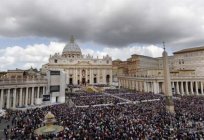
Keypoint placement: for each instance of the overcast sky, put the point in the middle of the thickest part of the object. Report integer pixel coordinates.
(31, 30)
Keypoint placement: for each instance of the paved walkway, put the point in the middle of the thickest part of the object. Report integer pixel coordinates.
(126, 100)
(3, 125)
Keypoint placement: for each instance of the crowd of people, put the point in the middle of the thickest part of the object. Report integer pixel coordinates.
(145, 120)
(94, 100)
(138, 96)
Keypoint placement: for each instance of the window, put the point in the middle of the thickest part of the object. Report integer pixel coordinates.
(55, 60)
(55, 88)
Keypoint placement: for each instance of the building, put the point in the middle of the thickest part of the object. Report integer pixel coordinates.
(19, 92)
(21, 74)
(191, 59)
(186, 70)
(80, 69)
(71, 67)
(22, 88)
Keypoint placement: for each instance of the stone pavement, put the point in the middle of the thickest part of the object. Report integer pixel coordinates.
(3, 125)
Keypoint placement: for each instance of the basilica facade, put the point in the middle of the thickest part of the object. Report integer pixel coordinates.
(80, 69)
(71, 67)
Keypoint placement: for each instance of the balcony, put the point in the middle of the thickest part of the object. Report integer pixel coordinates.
(21, 81)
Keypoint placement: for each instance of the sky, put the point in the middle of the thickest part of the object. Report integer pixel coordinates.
(31, 30)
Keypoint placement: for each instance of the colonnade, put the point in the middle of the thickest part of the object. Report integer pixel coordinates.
(140, 85)
(21, 96)
(182, 87)
(188, 87)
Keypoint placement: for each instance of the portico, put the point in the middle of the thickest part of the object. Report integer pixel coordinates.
(180, 85)
(22, 95)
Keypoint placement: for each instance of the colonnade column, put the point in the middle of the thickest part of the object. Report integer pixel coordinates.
(182, 90)
(8, 99)
(43, 91)
(201, 86)
(192, 88)
(14, 98)
(187, 92)
(1, 101)
(196, 82)
(38, 92)
(177, 87)
(20, 100)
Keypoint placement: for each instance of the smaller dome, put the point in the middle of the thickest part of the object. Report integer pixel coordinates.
(49, 116)
(72, 46)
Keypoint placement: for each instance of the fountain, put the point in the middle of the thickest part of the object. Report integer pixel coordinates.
(49, 127)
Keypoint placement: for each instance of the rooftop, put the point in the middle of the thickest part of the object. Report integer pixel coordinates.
(195, 49)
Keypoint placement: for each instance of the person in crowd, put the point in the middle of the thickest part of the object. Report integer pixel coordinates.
(145, 120)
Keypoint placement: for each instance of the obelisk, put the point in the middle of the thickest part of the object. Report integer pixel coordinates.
(167, 83)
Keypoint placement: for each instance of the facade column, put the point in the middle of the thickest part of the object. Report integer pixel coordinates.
(177, 87)
(8, 99)
(187, 92)
(80, 76)
(110, 78)
(133, 84)
(26, 97)
(201, 86)
(14, 98)
(67, 77)
(1, 101)
(149, 86)
(145, 86)
(32, 96)
(98, 76)
(155, 87)
(86, 76)
(76, 82)
(119, 84)
(192, 88)
(196, 82)
(90, 76)
(20, 100)
(152, 85)
(136, 87)
(140, 85)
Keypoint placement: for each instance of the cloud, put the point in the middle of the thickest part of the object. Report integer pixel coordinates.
(113, 23)
(38, 54)
(32, 55)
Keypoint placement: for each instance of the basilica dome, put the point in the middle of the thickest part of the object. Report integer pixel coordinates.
(71, 47)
